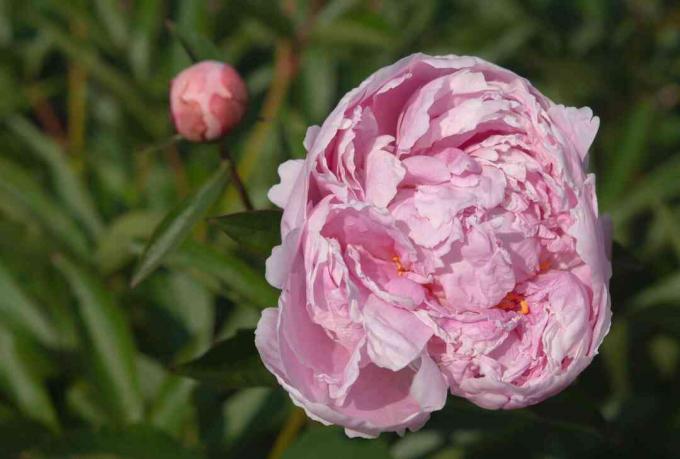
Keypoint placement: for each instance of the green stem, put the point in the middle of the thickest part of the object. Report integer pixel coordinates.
(235, 177)
(290, 430)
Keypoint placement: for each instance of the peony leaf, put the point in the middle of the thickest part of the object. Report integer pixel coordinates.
(178, 223)
(18, 187)
(22, 384)
(658, 185)
(68, 185)
(196, 45)
(239, 278)
(271, 15)
(111, 346)
(231, 364)
(21, 313)
(331, 444)
(256, 230)
(140, 442)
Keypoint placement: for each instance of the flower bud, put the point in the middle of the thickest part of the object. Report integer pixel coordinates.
(207, 100)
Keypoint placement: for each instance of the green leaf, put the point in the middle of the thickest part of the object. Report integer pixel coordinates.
(332, 444)
(197, 45)
(319, 78)
(18, 185)
(178, 223)
(239, 277)
(20, 313)
(146, 25)
(658, 185)
(83, 401)
(271, 15)
(138, 442)
(5, 23)
(69, 186)
(21, 382)
(232, 364)
(630, 153)
(173, 404)
(110, 344)
(114, 249)
(257, 230)
(361, 32)
(109, 76)
(111, 14)
(663, 291)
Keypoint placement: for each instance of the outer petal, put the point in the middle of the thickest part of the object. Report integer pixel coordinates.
(578, 124)
(289, 172)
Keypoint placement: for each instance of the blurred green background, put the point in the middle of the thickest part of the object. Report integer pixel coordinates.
(88, 167)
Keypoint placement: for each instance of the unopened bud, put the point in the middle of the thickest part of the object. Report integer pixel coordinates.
(207, 100)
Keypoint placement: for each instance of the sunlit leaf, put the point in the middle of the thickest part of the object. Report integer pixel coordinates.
(179, 222)
(111, 14)
(18, 184)
(109, 76)
(236, 275)
(111, 348)
(69, 186)
(630, 153)
(197, 46)
(115, 245)
(659, 184)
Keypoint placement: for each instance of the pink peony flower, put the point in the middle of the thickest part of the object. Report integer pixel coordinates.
(441, 234)
(207, 100)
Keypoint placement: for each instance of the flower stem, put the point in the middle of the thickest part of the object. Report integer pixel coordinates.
(77, 94)
(284, 70)
(235, 177)
(290, 430)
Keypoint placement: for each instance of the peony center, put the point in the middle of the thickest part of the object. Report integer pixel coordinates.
(514, 302)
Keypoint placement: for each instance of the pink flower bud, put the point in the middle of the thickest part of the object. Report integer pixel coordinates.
(207, 100)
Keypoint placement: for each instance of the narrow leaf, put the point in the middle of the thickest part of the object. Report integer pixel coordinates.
(69, 186)
(178, 223)
(115, 244)
(140, 442)
(111, 347)
(664, 291)
(196, 45)
(22, 384)
(630, 153)
(20, 313)
(109, 76)
(270, 14)
(238, 277)
(18, 185)
(332, 444)
(257, 230)
(658, 185)
(231, 364)
(111, 14)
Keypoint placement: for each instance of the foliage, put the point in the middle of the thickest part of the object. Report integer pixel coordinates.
(92, 367)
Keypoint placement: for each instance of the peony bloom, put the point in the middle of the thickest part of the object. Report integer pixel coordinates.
(442, 234)
(207, 100)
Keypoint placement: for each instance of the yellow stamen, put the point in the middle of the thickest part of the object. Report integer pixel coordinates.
(400, 268)
(512, 301)
(524, 307)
